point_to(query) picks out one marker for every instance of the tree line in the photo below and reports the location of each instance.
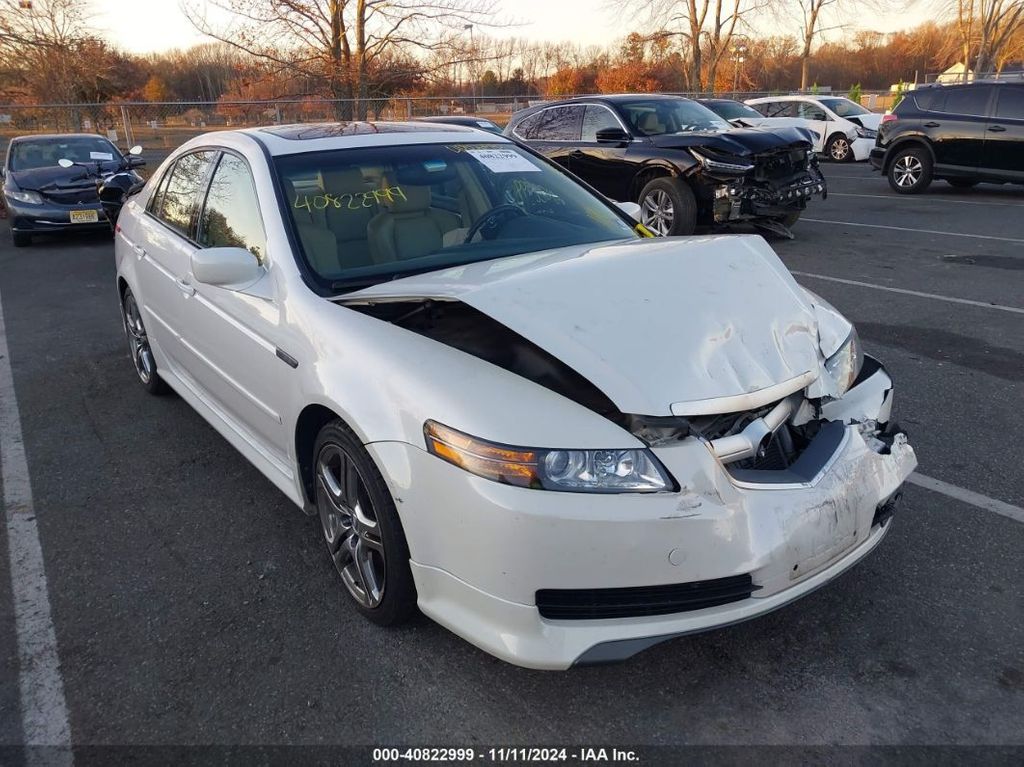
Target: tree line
(361, 50)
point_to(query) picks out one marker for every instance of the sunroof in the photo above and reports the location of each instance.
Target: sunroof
(302, 131)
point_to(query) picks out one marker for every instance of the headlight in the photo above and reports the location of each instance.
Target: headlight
(25, 195)
(866, 132)
(844, 366)
(578, 471)
(719, 166)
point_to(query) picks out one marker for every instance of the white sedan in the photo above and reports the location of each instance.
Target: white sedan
(559, 438)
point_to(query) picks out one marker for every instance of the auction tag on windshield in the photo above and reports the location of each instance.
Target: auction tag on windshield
(502, 160)
(101, 156)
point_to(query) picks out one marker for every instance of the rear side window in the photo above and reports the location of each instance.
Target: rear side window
(157, 199)
(972, 100)
(1011, 103)
(231, 216)
(525, 127)
(181, 195)
(559, 124)
(779, 109)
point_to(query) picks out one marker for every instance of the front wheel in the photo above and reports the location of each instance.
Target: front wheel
(910, 171)
(361, 528)
(138, 346)
(838, 148)
(668, 207)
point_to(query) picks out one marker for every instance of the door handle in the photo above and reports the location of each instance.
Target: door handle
(996, 128)
(185, 287)
(932, 125)
(139, 250)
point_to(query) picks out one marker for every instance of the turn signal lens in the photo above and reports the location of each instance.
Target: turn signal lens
(631, 470)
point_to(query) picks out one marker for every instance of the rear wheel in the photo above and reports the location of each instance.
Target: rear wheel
(21, 239)
(361, 528)
(962, 183)
(910, 171)
(838, 148)
(668, 207)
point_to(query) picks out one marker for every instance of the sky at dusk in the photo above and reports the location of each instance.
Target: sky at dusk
(142, 26)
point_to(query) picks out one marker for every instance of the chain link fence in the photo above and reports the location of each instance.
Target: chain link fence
(161, 127)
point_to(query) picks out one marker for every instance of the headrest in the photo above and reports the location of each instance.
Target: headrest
(408, 199)
(651, 123)
(344, 180)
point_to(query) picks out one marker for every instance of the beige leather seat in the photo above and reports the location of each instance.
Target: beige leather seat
(318, 240)
(349, 222)
(651, 124)
(409, 227)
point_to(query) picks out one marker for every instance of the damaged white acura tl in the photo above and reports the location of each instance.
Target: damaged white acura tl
(561, 439)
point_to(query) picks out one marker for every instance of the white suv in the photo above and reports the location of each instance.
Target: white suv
(835, 117)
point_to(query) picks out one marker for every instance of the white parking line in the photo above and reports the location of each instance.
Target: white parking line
(44, 712)
(1015, 513)
(927, 199)
(916, 231)
(906, 292)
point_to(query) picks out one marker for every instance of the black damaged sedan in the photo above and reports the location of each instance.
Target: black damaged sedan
(684, 165)
(42, 197)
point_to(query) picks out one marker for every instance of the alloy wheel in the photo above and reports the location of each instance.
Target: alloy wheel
(840, 149)
(350, 525)
(656, 212)
(907, 171)
(138, 341)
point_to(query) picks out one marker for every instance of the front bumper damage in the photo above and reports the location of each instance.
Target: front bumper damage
(754, 196)
(741, 537)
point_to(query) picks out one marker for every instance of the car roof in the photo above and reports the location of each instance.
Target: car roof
(32, 136)
(316, 137)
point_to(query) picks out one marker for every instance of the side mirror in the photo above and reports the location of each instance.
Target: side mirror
(65, 163)
(612, 136)
(230, 267)
(631, 209)
(135, 151)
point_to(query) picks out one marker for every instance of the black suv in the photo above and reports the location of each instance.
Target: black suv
(683, 164)
(963, 134)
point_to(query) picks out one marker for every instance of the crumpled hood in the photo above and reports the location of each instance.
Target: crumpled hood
(869, 121)
(661, 326)
(742, 142)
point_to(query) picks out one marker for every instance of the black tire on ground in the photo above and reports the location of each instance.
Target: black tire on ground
(962, 183)
(668, 207)
(790, 218)
(21, 239)
(838, 148)
(398, 595)
(910, 170)
(138, 346)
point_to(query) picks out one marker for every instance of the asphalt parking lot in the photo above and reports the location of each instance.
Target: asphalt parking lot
(192, 604)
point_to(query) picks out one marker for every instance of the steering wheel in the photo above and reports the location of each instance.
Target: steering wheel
(487, 224)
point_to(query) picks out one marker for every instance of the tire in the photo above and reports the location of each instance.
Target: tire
(361, 528)
(790, 219)
(910, 170)
(139, 348)
(962, 183)
(21, 239)
(838, 148)
(668, 207)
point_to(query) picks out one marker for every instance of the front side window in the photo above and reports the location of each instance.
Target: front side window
(559, 124)
(972, 101)
(367, 215)
(658, 117)
(33, 153)
(181, 196)
(231, 216)
(844, 107)
(812, 112)
(597, 118)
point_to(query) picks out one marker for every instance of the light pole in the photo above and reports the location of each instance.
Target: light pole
(472, 53)
(739, 53)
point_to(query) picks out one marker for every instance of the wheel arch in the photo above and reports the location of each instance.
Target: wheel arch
(902, 143)
(312, 418)
(647, 174)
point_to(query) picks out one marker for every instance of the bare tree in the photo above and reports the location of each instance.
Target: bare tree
(985, 30)
(338, 42)
(706, 28)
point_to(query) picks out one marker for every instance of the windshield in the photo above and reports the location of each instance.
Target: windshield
(732, 110)
(657, 117)
(369, 215)
(32, 153)
(844, 107)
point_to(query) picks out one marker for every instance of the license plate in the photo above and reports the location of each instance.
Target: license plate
(84, 217)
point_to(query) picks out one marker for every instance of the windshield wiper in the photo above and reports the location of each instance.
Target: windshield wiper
(356, 283)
